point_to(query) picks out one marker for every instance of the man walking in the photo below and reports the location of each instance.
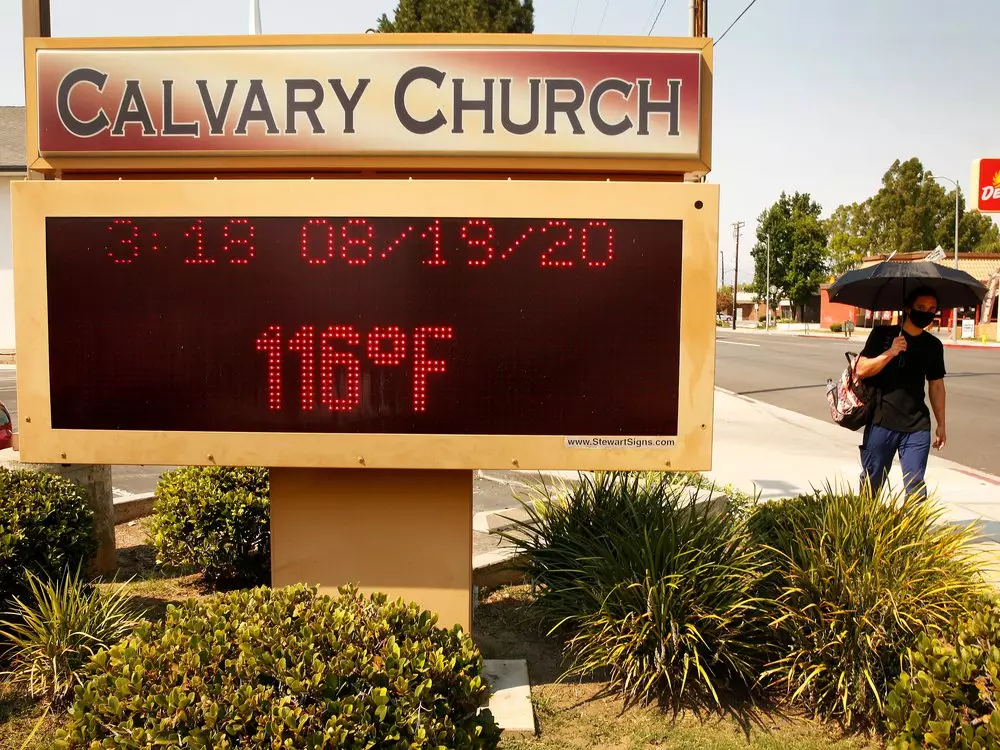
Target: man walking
(897, 360)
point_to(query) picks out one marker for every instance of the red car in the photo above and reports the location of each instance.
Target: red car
(6, 428)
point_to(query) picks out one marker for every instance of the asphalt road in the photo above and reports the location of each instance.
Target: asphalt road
(791, 372)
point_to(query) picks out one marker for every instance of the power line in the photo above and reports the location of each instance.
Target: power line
(572, 27)
(649, 15)
(655, 20)
(736, 21)
(607, 4)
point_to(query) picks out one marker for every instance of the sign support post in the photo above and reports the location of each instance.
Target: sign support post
(406, 532)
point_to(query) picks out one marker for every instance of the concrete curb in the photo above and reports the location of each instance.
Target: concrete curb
(132, 507)
(499, 568)
(510, 695)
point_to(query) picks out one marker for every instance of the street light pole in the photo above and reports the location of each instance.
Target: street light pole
(767, 290)
(958, 188)
(954, 314)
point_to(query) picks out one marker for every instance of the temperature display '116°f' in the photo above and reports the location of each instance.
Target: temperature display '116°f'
(362, 324)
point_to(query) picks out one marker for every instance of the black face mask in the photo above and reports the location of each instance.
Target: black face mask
(921, 319)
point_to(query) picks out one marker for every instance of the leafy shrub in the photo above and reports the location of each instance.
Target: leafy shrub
(286, 668)
(45, 527)
(54, 632)
(648, 584)
(949, 695)
(836, 327)
(859, 578)
(215, 520)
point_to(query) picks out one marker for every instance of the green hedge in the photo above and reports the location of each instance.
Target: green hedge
(215, 520)
(46, 526)
(286, 668)
(949, 695)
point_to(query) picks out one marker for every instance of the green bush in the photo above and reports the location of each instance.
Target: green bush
(858, 579)
(286, 668)
(836, 327)
(647, 584)
(215, 520)
(46, 526)
(949, 695)
(54, 632)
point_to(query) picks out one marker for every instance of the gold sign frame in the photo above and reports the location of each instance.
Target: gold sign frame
(695, 205)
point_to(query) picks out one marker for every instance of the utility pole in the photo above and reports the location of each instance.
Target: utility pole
(737, 226)
(698, 17)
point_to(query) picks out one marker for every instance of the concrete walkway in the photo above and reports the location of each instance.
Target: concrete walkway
(778, 453)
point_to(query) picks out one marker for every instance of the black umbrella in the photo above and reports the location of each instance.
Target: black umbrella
(885, 286)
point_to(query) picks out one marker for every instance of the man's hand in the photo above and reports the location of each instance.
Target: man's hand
(898, 346)
(940, 437)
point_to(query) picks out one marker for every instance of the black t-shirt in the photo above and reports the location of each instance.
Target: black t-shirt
(899, 403)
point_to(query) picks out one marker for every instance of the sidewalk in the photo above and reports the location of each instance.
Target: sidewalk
(776, 452)
(860, 334)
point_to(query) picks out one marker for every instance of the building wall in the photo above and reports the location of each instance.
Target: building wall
(6, 266)
(833, 312)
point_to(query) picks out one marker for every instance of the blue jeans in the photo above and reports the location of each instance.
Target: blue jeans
(879, 447)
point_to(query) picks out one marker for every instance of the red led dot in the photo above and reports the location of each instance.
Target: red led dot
(422, 367)
(479, 233)
(585, 244)
(396, 242)
(125, 249)
(327, 244)
(304, 342)
(330, 360)
(376, 351)
(517, 243)
(547, 259)
(269, 342)
(433, 232)
(197, 233)
(238, 235)
(357, 250)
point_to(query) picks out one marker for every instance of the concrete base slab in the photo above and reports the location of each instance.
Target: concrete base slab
(510, 695)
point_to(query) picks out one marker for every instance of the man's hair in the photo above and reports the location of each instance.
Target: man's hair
(922, 292)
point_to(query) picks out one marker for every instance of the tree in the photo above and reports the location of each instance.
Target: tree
(911, 213)
(848, 229)
(724, 300)
(798, 248)
(460, 16)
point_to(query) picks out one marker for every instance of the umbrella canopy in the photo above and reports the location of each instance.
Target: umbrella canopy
(885, 286)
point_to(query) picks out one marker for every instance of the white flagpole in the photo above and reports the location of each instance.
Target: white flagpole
(255, 16)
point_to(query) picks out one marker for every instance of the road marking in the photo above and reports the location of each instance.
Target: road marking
(735, 343)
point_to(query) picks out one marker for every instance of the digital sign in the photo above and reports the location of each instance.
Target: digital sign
(415, 324)
(435, 323)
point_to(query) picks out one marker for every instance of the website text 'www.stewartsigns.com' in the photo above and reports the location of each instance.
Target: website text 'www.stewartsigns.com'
(621, 442)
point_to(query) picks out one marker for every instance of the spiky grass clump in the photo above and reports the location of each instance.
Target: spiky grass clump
(55, 630)
(651, 583)
(858, 578)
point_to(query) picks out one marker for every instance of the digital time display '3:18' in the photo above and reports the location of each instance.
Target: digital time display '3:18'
(430, 325)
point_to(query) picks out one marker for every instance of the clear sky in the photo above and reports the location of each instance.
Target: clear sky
(812, 96)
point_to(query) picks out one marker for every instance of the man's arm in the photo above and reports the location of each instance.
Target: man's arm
(935, 389)
(870, 366)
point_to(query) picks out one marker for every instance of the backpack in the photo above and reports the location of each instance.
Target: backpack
(850, 398)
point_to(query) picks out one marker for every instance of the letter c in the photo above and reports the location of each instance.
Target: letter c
(420, 127)
(74, 125)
